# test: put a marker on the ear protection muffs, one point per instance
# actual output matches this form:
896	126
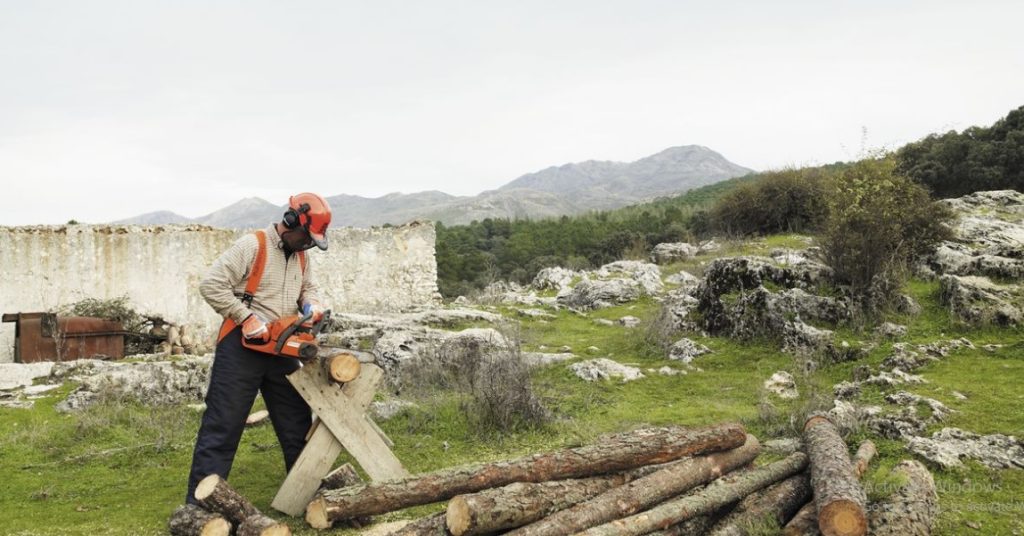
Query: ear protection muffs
293	218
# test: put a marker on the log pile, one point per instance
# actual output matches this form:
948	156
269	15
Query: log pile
663	481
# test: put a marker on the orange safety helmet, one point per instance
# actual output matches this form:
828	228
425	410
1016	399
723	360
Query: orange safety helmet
310	212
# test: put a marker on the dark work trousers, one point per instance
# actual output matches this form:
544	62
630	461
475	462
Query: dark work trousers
237	374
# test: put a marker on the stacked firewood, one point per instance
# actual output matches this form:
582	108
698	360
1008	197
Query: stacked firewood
665	481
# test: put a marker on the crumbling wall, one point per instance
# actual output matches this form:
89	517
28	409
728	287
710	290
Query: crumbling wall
159	268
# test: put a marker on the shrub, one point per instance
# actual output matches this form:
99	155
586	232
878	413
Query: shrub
791	200
879	223
491	382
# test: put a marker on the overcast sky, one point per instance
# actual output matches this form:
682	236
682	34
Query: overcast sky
113	109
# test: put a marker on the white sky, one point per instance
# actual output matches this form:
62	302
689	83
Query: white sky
112	109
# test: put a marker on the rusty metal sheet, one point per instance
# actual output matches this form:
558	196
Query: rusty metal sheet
47	337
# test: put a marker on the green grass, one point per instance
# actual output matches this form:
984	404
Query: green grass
59	477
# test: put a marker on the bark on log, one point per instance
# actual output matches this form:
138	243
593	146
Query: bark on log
612	454
644	492
911	510
214	494
776	503
805	522
432	525
518	504
192	520
715	495
838	495
340	367
261	525
341	477
690	527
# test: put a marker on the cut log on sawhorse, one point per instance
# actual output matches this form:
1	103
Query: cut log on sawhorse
343	425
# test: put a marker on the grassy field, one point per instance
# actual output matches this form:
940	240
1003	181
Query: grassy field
120	468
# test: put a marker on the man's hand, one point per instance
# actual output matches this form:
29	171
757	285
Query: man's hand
255	329
315	307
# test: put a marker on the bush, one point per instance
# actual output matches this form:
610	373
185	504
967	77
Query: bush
879	223
791	200
491	382
117	310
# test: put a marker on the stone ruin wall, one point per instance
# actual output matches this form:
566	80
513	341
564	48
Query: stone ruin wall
159	268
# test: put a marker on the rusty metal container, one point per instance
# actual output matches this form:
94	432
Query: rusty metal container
47	337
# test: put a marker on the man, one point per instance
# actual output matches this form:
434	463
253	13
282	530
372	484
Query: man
249	290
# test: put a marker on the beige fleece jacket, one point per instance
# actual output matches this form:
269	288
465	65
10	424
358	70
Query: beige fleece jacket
282	289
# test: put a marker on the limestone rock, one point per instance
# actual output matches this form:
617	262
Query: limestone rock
888	330
685	279
895	377
629	321
535	314
605	369
395	347
554	278
709	246
782	385
950	446
154	383
14	375
647	275
979	301
382	410
686	350
846	390
538	359
588	294
673	251
679	307
668	371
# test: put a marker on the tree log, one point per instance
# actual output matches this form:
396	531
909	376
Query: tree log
805	522
643	492
838	495
715	495
261	525
432	525
192	520
616	453
912	509
341	367
214	494
776	503
518	504
690	527
341	477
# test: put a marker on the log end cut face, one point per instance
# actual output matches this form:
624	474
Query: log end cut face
316	514
842	518
216	527
458	516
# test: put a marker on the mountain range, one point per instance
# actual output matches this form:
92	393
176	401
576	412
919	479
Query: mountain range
550	192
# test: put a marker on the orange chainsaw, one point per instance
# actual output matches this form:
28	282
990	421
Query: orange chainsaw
291	336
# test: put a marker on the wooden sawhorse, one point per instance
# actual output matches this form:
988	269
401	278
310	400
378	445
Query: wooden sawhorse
343	424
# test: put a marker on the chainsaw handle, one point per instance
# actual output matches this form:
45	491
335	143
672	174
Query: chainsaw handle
283	337
326	317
